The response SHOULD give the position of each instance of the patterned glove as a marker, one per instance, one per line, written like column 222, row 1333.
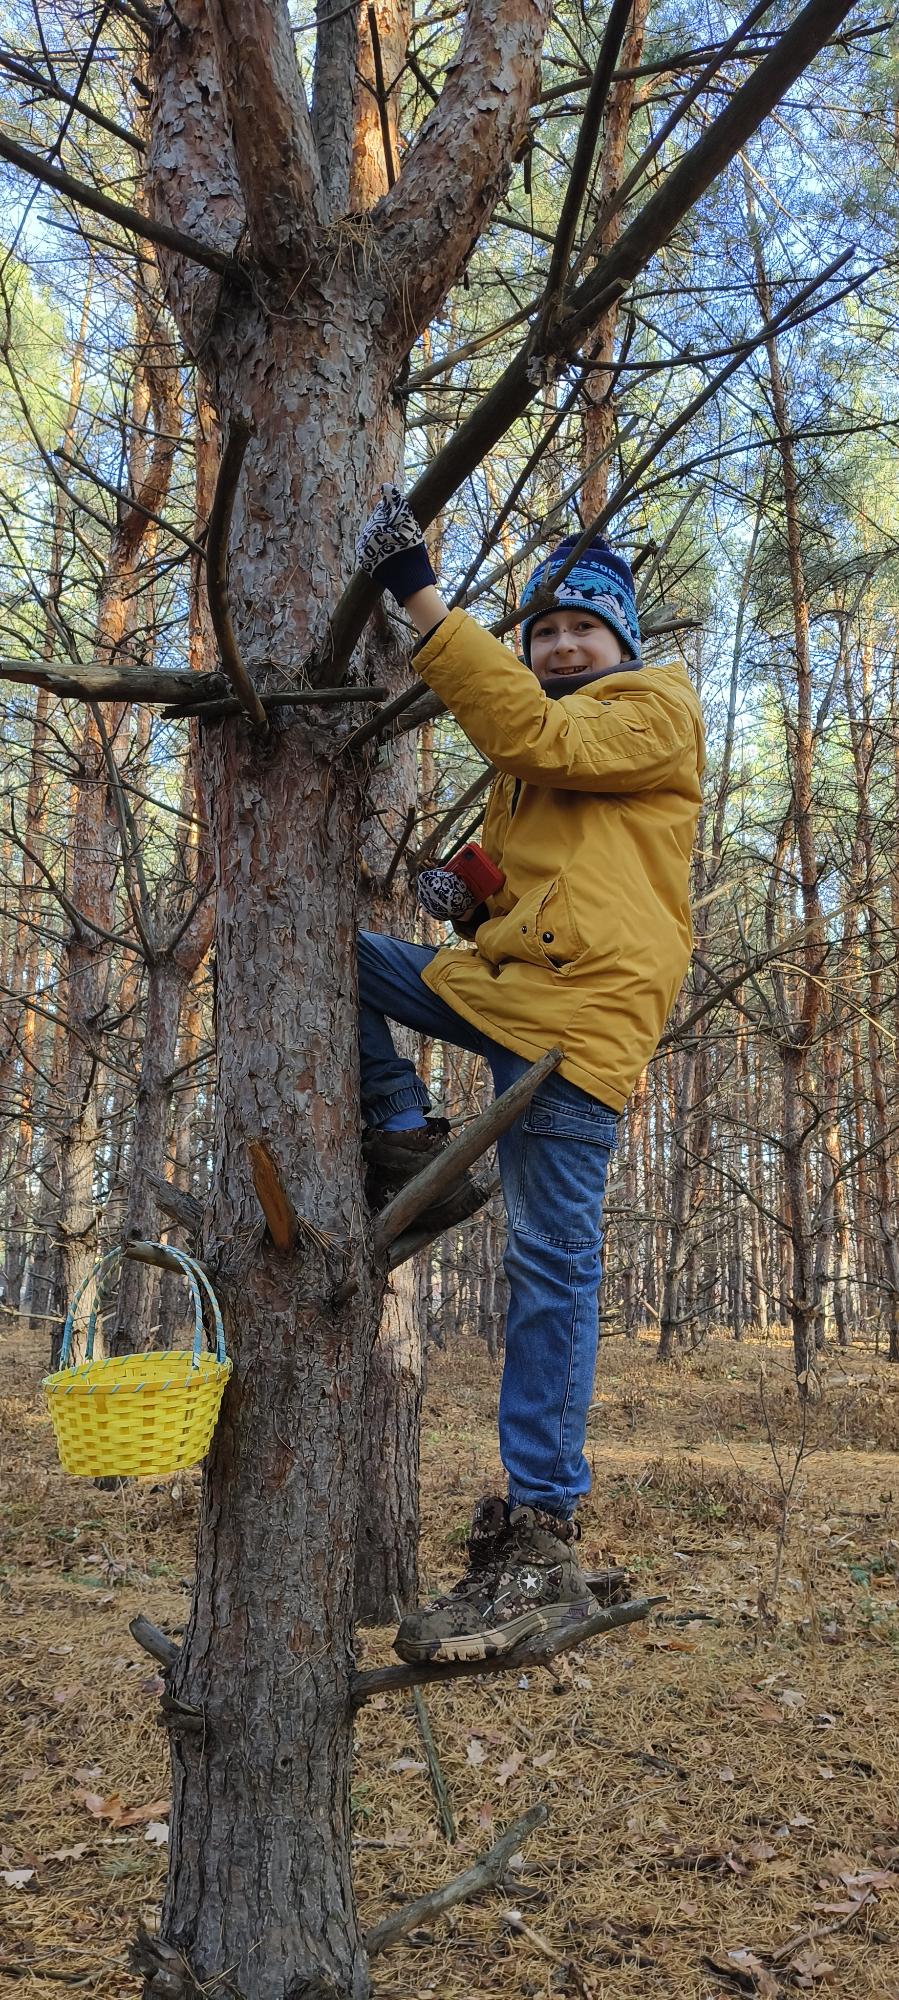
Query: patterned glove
column 391, row 547
column 444, row 895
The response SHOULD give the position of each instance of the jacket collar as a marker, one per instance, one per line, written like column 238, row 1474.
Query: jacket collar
column 559, row 684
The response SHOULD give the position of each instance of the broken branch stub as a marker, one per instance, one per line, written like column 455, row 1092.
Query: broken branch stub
column 99, row 682
column 436, row 1179
column 176, row 1203
column 156, row 1253
column 159, row 1646
column 272, row 1196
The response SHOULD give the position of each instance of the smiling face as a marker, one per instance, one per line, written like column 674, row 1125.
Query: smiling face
column 573, row 642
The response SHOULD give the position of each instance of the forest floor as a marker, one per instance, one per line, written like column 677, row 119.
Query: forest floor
column 722, row 1783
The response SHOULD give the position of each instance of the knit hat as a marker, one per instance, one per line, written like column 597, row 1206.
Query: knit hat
column 600, row 581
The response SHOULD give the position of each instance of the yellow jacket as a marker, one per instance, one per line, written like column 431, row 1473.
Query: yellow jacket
column 592, row 821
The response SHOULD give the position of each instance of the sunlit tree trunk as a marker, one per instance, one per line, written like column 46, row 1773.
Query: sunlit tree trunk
column 799, row 1116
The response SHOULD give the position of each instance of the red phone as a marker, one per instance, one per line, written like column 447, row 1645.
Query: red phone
column 478, row 872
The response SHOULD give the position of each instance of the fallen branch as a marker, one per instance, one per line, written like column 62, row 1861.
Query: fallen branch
column 217, row 570
column 483, row 1874
column 441, row 1175
column 532, row 1653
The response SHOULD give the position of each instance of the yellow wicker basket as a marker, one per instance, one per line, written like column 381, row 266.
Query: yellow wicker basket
column 138, row 1415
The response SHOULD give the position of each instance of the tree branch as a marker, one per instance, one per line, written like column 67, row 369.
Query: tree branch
column 179, row 1206
column 652, row 227
column 185, row 693
column 154, row 1642
column 461, row 159
column 436, row 1180
column 419, row 1235
column 156, row 1253
column 381, row 96
column 24, row 72
column 191, row 169
column 388, row 1680
column 334, row 96
column 450, row 818
column 582, row 165
column 117, row 211
column 128, row 500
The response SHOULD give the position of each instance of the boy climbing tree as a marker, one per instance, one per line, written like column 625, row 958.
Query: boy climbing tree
column 582, row 944
column 299, row 289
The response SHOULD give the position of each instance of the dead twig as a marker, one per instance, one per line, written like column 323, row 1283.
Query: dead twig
column 381, row 97
column 438, row 1782
column 88, row 197
column 399, row 851
column 483, row 1874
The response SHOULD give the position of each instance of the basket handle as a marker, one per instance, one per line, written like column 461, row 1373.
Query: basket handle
column 195, row 1276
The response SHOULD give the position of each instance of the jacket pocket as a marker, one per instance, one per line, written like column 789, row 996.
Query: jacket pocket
column 587, row 1120
column 540, row 929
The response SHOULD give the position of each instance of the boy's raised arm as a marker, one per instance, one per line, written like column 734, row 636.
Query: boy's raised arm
column 632, row 738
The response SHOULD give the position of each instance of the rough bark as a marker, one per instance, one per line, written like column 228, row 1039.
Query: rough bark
column 271, row 133
column 267, row 1652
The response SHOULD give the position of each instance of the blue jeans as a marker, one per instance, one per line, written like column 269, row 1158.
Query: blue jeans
column 553, row 1163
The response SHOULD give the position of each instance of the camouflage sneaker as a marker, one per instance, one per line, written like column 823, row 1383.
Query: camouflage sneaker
column 394, row 1158
column 522, row 1580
